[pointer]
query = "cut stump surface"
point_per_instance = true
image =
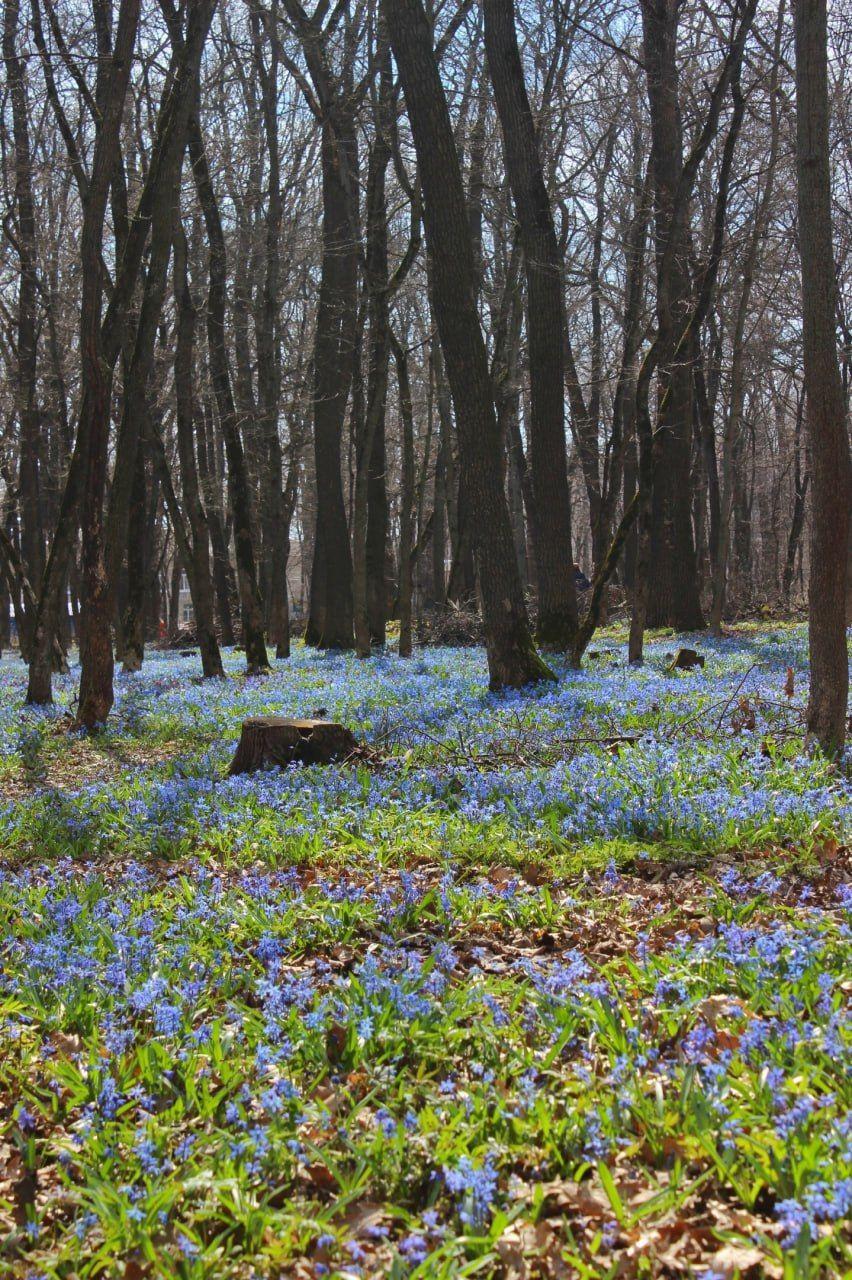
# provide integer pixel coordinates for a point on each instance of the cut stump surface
(272, 740)
(687, 660)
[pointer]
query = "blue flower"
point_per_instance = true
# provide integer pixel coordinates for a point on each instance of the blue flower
(474, 1189)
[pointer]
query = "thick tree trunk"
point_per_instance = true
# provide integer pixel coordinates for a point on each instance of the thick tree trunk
(826, 408)
(271, 741)
(557, 601)
(512, 658)
(96, 660)
(330, 621)
(29, 487)
(673, 585)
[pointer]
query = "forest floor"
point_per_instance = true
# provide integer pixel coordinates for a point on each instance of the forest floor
(557, 986)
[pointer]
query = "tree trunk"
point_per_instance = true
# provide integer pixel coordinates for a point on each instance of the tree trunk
(200, 577)
(212, 499)
(826, 408)
(330, 620)
(273, 741)
(801, 482)
(369, 515)
(648, 459)
(512, 659)
(238, 478)
(96, 660)
(673, 599)
(734, 422)
(133, 618)
(29, 499)
(557, 601)
(406, 502)
(275, 524)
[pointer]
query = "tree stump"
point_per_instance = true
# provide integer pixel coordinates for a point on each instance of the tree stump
(273, 740)
(687, 660)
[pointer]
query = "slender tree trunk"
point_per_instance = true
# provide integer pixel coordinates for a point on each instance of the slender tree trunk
(275, 526)
(622, 475)
(801, 481)
(826, 408)
(406, 504)
(369, 526)
(512, 658)
(734, 419)
(439, 526)
(133, 616)
(200, 578)
(212, 499)
(648, 459)
(238, 479)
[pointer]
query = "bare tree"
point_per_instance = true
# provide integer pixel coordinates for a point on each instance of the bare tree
(826, 407)
(512, 658)
(551, 515)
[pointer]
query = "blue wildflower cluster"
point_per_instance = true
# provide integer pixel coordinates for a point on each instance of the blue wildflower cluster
(439, 1016)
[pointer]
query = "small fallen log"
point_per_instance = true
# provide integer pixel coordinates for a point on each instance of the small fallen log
(267, 741)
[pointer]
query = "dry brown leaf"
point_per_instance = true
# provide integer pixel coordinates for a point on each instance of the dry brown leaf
(584, 1199)
(322, 1177)
(364, 1214)
(712, 1008)
(134, 1270)
(69, 1045)
(744, 1258)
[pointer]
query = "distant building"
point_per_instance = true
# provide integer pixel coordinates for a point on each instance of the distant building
(186, 613)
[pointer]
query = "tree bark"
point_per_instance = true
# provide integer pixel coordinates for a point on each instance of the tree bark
(557, 600)
(826, 408)
(330, 621)
(274, 522)
(673, 599)
(96, 660)
(512, 658)
(133, 616)
(198, 569)
(370, 512)
(406, 504)
(273, 741)
(29, 497)
(212, 499)
(238, 478)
